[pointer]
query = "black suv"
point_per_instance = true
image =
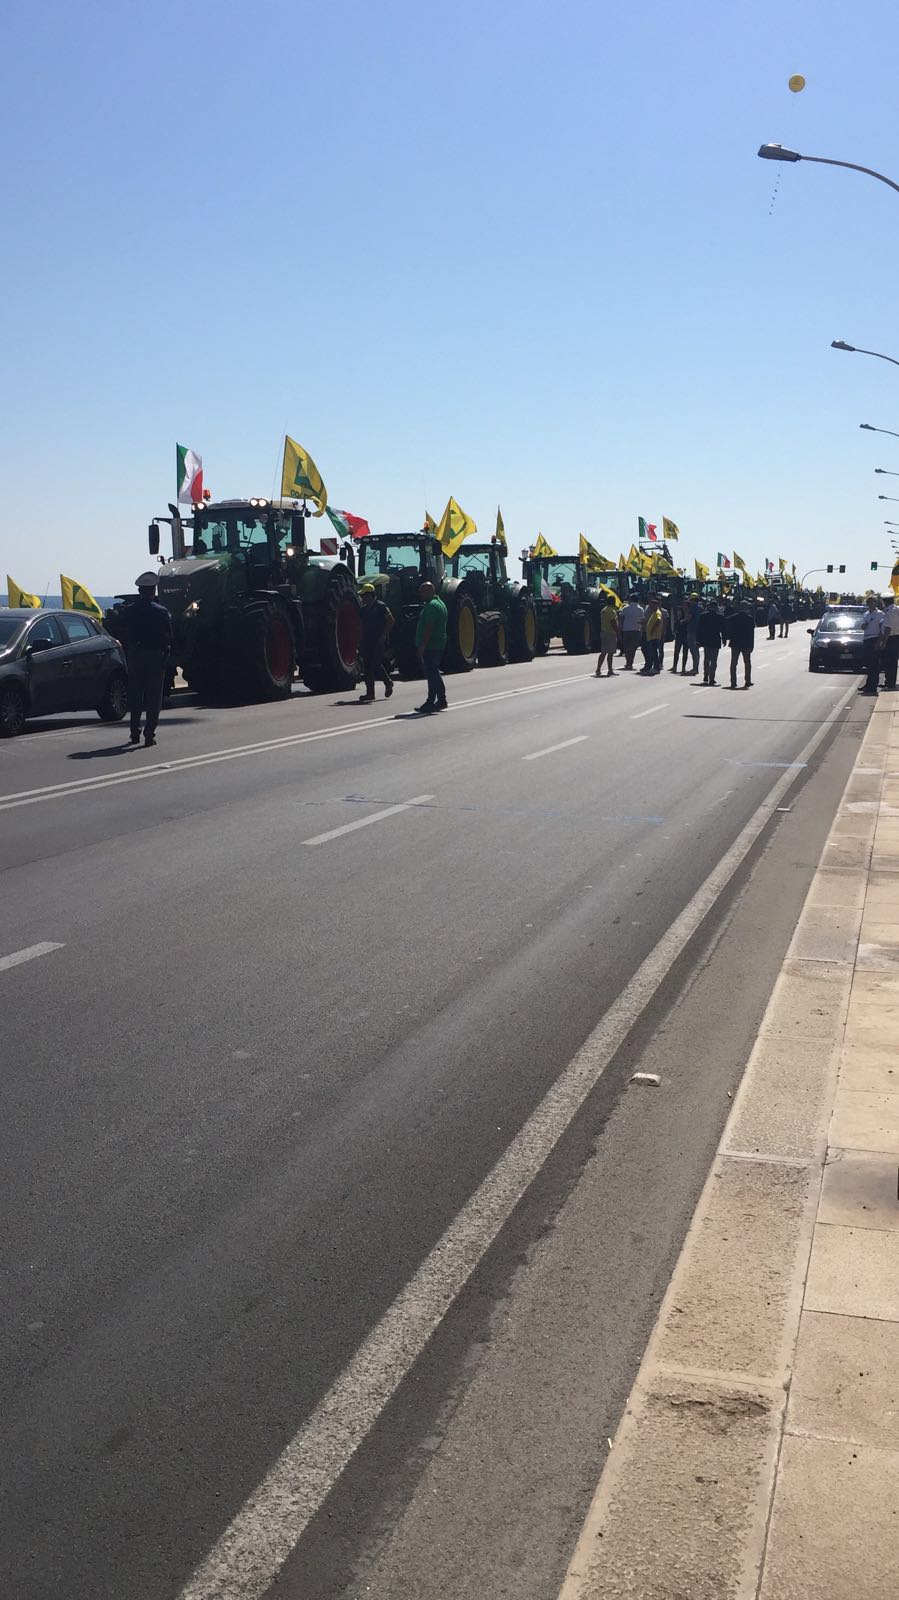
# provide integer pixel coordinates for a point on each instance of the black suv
(53, 661)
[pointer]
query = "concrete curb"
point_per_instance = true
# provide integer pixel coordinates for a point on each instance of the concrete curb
(720, 1481)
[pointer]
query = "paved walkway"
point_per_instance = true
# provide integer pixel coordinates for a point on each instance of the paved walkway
(759, 1452)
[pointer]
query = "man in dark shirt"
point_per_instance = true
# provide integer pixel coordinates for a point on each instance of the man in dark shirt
(710, 637)
(147, 629)
(377, 621)
(741, 633)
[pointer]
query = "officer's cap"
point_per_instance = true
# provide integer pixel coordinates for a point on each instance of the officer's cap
(147, 580)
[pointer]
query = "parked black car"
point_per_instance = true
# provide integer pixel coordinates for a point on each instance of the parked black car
(54, 661)
(837, 641)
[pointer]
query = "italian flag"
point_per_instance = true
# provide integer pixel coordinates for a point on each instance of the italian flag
(723, 560)
(348, 526)
(190, 477)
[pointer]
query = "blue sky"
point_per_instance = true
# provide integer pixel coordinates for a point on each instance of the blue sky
(518, 253)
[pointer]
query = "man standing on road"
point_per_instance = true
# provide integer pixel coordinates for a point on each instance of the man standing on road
(630, 622)
(872, 639)
(773, 617)
(654, 627)
(694, 612)
(377, 621)
(890, 636)
(741, 632)
(710, 635)
(786, 617)
(430, 642)
(148, 640)
(608, 637)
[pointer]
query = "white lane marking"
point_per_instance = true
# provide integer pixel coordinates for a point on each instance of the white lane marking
(551, 749)
(30, 954)
(649, 710)
(56, 791)
(365, 822)
(721, 799)
(253, 1548)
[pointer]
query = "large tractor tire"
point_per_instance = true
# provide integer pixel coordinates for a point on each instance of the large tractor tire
(461, 652)
(577, 633)
(338, 634)
(264, 658)
(493, 645)
(524, 644)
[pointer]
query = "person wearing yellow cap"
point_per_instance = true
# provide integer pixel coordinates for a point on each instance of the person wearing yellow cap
(377, 621)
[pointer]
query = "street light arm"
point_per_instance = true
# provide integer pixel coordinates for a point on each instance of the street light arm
(825, 161)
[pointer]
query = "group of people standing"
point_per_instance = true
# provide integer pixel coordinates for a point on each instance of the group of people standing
(880, 636)
(696, 628)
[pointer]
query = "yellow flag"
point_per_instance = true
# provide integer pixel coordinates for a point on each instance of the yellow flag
(300, 477)
(642, 564)
(430, 525)
(76, 598)
(500, 530)
(739, 562)
(634, 560)
(455, 526)
(701, 571)
(781, 563)
(622, 563)
(662, 564)
(610, 593)
(592, 560)
(542, 547)
(19, 599)
(670, 530)
(894, 578)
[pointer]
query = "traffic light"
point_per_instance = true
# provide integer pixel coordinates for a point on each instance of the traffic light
(830, 566)
(873, 566)
(843, 567)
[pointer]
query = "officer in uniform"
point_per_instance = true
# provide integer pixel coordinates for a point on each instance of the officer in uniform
(147, 628)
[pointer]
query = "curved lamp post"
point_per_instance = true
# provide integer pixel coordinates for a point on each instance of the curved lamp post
(776, 152)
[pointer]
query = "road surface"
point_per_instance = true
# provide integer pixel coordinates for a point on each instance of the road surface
(294, 1066)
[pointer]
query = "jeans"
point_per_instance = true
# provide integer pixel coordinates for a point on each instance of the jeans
(652, 651)
(740, 652)
(693, 648)
(709, 662)
(890, 660)
(629, 642)
(871, 660)
(146, 678)
(373, 667)
(436, 685)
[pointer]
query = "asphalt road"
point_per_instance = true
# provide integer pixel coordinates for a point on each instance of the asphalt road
(314, 967)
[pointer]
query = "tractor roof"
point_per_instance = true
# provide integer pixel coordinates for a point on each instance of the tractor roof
(394, 538)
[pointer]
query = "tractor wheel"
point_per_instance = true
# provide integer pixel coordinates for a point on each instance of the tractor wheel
(462, 634)
(524, 644)
(265, 659)
(576, 637)
(493, 646)
(339, 632)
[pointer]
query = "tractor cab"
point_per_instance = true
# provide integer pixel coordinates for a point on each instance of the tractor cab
(397, 563)
(483, 566)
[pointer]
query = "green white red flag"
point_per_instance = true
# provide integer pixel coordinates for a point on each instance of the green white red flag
(348, 526)
(190, 477)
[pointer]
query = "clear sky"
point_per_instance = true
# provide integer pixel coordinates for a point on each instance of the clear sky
(518, 252)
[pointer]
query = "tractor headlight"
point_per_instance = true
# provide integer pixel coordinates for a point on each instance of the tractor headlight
(193, 607)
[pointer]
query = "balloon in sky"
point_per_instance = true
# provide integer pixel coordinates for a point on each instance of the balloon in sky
(796, 83)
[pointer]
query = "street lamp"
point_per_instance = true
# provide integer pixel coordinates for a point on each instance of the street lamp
(840, 344)
(869, 428)
(889, 497)
(886, 472)
(776, 152)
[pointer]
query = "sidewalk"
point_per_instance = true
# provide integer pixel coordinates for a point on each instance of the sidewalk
(759, 1450)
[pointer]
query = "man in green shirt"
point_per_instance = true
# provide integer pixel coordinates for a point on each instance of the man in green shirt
(430, 642)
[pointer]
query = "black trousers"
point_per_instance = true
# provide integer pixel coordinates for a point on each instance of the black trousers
(740, 652)
(709, 662)
(146, 679)
(871, 661)
(890, 659)
(373, 667)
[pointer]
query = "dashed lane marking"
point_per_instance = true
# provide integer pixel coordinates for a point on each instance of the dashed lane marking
(552, 748)
(365, 822)
(19, 957)
(649, 710)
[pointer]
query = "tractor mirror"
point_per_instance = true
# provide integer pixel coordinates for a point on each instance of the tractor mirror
(153, 538)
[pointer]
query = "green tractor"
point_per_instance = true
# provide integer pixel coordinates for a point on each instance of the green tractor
(567, 601)
(507, 615)
(251, 606)
(396, 563)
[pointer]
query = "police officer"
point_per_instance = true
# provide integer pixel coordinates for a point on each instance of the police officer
(147, 627)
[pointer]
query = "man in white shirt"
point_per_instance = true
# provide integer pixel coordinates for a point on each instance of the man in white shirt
(890, 638)
(872, 631)
(630, 623)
